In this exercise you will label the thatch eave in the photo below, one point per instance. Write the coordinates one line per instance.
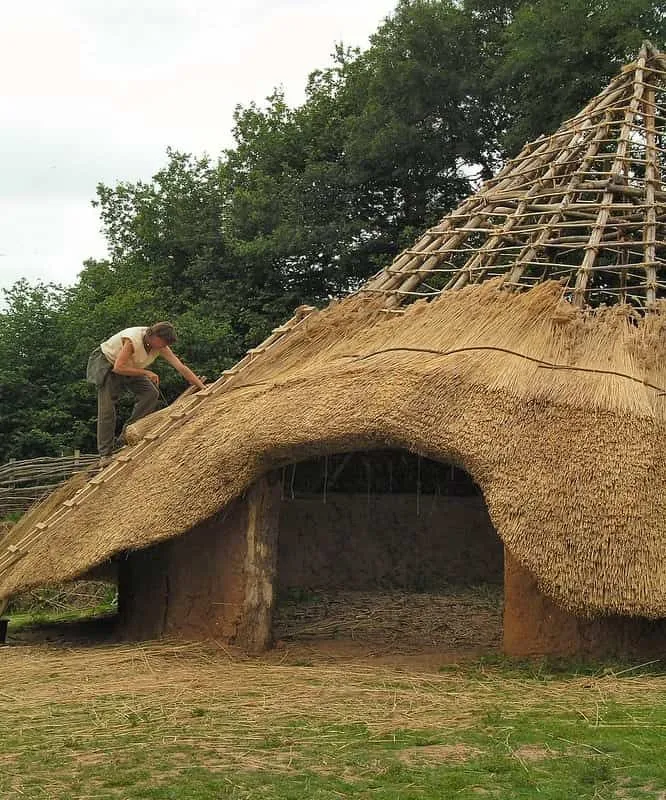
(569, 460)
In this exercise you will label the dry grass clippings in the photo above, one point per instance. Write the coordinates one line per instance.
(407, 621)
(437, 754)
(160, 709)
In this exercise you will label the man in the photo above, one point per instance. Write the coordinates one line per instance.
(119, 365)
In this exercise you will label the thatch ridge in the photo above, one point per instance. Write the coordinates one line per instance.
(570, 462)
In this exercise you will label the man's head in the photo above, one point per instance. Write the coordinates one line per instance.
(161, 334)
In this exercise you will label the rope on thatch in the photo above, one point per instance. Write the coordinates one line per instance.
(579, 205)
(540, 362)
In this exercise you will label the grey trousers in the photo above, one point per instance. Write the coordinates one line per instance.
(110, 387)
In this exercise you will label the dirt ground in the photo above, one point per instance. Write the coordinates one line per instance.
(394, 623)
(389, 627)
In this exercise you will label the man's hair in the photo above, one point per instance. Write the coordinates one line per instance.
(165, 331)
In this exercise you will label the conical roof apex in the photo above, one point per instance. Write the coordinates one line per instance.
(585, 205)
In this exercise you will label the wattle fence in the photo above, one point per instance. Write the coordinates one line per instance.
(23, 483)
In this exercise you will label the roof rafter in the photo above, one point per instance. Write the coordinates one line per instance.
(586, 204)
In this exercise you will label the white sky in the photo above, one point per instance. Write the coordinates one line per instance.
(96, 90)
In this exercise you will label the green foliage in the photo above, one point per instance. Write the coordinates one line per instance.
(33, 419)
(26, 619)
(325, 194)
(172, 260)
(558, 55)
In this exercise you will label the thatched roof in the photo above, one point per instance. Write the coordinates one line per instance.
(556, 410)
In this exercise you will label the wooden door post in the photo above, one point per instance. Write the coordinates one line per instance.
(263, 514)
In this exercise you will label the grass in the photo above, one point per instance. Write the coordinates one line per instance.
(175, 721)
(20, 621)
(75, 601)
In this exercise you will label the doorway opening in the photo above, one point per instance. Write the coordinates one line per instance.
(387, 551)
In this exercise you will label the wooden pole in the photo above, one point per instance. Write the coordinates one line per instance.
(652, 179)
(595, 241)
(263, 513)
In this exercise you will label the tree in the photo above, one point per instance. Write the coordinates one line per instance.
(325, 194)
(168, 261)
(559, 53)
(34, 419)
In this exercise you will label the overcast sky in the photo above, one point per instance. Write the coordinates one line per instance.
(96, 90)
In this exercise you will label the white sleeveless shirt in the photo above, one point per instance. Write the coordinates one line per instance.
(141, 358)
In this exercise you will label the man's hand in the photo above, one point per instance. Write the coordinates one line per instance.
(153, 376)
(171, 358)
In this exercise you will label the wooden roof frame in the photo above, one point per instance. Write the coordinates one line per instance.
(586, 203)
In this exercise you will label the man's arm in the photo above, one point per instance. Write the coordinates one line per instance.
(122, 367)
(185, 371)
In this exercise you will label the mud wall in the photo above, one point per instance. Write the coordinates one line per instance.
(534, 626)
(356, 541)
(192, 586)
(196, 585)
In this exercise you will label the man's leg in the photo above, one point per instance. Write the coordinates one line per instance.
(107, 397)
(147, 397)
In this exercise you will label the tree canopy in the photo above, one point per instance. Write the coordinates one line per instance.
(310, 200)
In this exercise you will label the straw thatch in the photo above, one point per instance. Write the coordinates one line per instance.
(557, 410)
(569, 459)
